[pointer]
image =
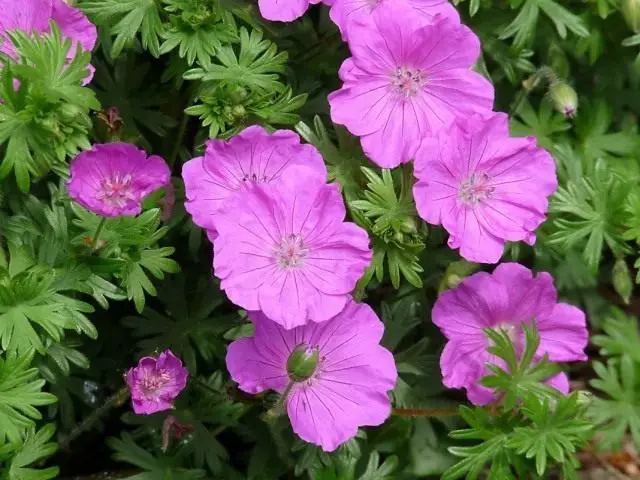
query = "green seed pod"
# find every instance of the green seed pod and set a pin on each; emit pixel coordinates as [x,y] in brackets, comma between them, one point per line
[564,98]
[302,363]
[622,281]
[631,14]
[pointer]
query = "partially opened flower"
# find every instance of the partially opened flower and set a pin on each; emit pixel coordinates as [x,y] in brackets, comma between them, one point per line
[286,250]
[406,81]
[156,382]
[34,15]
[345,12]
[338,372]
[252,156]
[284,10]
[504,300]
[112,179]
[484,187]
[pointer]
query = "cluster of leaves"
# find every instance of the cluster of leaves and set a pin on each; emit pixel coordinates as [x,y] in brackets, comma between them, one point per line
[617,414]
[47,118]
[531,428]
[235,73]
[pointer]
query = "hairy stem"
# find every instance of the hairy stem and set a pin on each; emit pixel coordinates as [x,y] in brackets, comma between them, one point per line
[114,400]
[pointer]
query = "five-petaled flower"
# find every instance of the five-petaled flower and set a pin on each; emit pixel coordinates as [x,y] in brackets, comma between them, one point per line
[156,382]
[407,81]
[483,186]
[112,179]
[505,299]
[346,389]
[285,250]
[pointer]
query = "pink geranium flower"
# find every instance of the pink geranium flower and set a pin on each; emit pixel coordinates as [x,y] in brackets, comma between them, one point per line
[484,187]
[347,389]
[252,156]
[406,81]
[34,15]
[286,250]
[156,382]
[112,179]
[345,12]
[504,299]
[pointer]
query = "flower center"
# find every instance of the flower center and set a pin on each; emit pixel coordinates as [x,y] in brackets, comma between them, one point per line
[408,81]
[291,251]
[116,191]
[155,381]
[476,188]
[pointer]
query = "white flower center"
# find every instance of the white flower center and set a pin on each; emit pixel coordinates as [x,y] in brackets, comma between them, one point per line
[154,382]
[476,188]
[291,251]
[116,191]
[408,81]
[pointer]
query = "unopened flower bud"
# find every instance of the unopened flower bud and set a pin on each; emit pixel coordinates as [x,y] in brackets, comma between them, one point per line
[238,111]
[302,363]
[409,225]
[631,14]
[622,282]
[238,94]
[69,112]
[564,98]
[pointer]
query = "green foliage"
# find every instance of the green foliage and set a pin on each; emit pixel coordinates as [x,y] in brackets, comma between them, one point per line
[124,19]
[619,412]
[131,252]
[20,393]
[35,447]
[47,118]
[531,426]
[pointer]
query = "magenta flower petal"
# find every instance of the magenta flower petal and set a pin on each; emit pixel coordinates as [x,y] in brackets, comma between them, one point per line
[349,387]
[252,156]
[284,10]
[286,250]
[345,13]
[156,382]
[406,81]
[510,296]
[112,179]
[482,186]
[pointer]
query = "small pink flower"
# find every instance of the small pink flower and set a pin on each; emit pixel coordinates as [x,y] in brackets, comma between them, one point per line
[406,81]
[155,383]
[345,12]
[349,386]
[112,179]
[286,250]
[229,166]
[504,299]
[484,187]
[34,16]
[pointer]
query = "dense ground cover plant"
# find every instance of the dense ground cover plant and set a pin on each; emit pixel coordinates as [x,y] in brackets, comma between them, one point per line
[330,240]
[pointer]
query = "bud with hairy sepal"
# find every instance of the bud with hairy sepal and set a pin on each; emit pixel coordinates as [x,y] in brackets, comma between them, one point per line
[564,98]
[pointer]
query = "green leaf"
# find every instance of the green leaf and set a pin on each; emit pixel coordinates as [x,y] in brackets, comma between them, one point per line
[20,393]
[619,414]
[124,19]
[36,446]
[256,65]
